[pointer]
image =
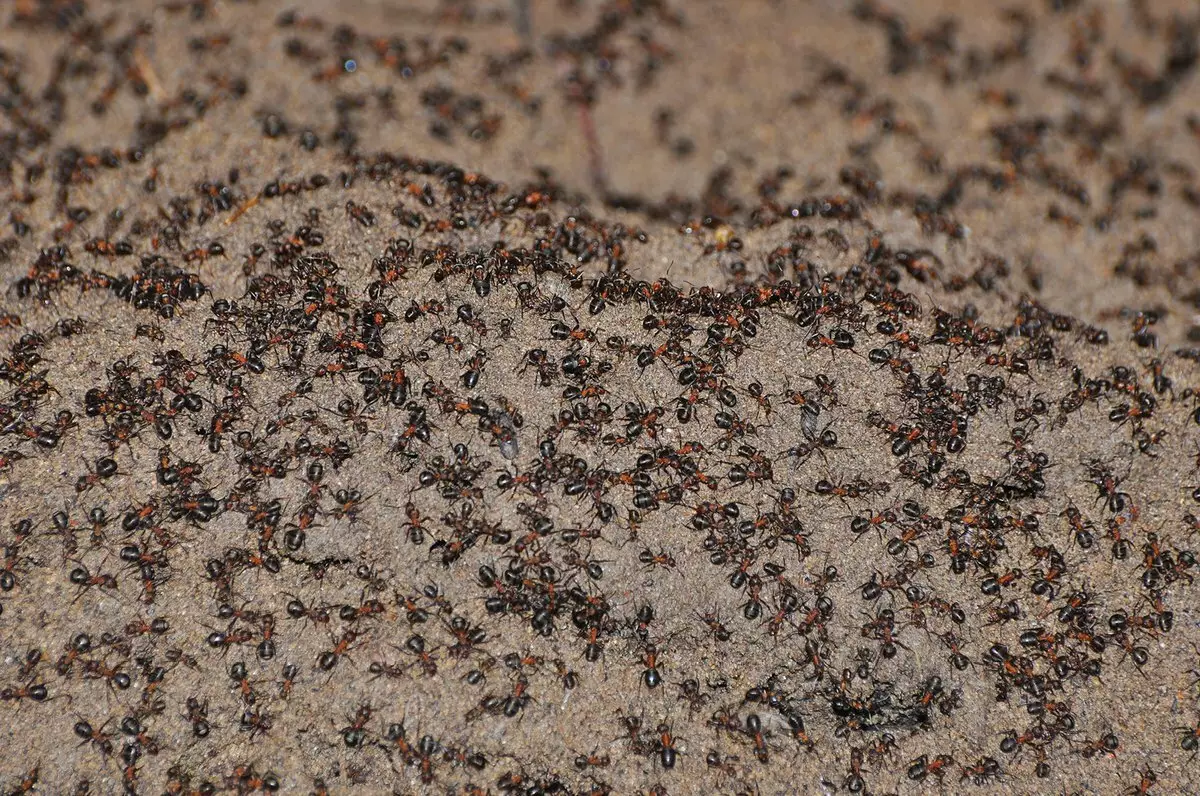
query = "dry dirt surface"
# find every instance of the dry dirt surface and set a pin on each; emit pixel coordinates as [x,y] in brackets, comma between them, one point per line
[580,396]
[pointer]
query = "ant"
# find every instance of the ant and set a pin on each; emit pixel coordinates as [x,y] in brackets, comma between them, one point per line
[593,760]
[97,738]
[1146,782]
[666,745]
[652,560]
[329,659]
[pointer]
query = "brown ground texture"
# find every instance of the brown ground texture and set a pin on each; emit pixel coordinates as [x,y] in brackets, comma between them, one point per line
[570,396]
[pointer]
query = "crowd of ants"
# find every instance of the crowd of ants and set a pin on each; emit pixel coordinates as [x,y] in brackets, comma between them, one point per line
[397,503]
[549,439]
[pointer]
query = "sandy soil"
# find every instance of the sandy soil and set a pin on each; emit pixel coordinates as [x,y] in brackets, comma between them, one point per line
[582,397]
